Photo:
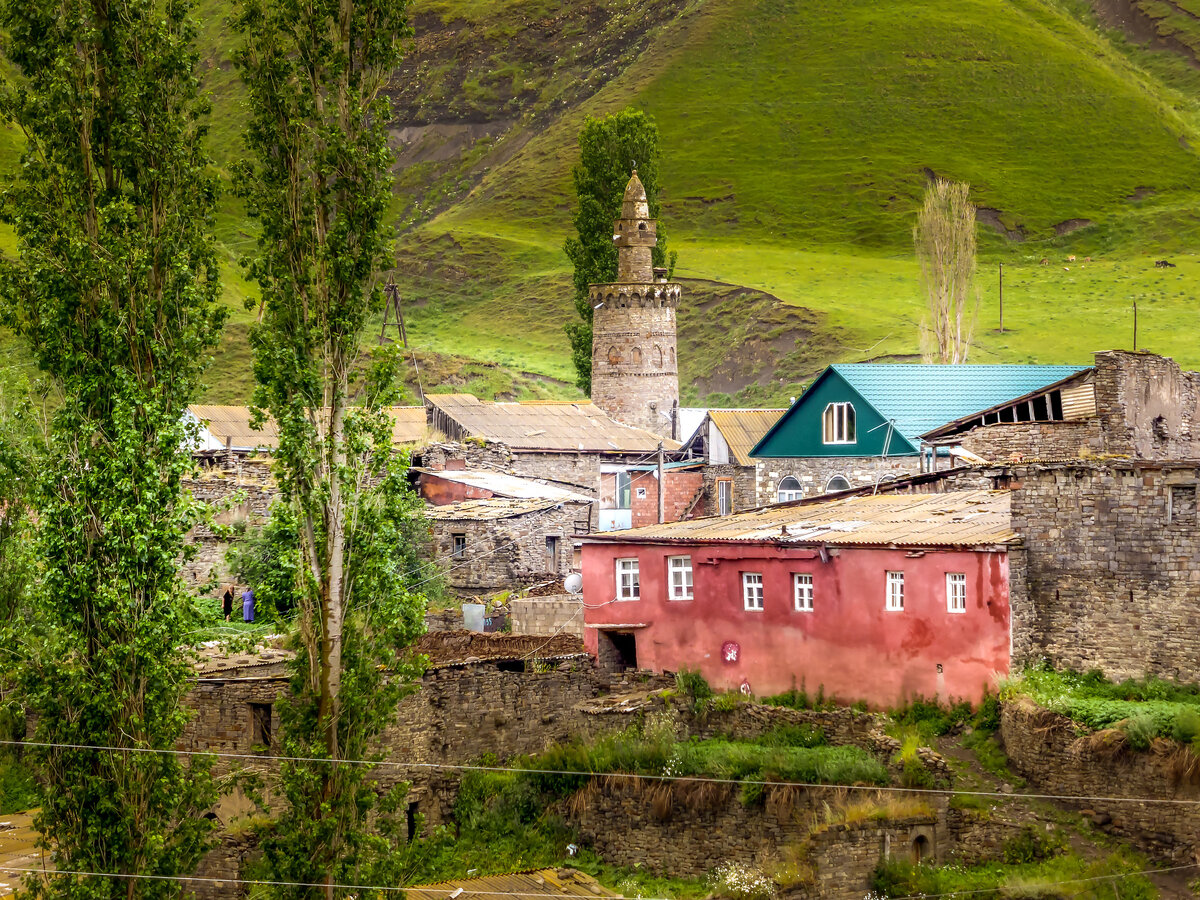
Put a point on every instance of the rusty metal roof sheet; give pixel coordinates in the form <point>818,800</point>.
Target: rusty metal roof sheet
<point>232,424</point>
<point>743,428</point>
<point>487,510</point>
<point>516,886</point>
<point>546,425</point>
<point>954,519</point>
<point>512,486</point>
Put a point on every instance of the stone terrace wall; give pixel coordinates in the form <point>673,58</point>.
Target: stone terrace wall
<point>1047,750</point>
<point>1111,582</point>
<point>558,614</point>
<point>814,472</point>
<point>1035,440</point>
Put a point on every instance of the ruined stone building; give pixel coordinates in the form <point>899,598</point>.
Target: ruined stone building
<point>635,373</point>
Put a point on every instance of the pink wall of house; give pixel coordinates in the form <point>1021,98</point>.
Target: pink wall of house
<point>850,642</point>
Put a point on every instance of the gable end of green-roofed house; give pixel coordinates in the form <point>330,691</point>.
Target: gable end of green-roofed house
<point>860,424</point>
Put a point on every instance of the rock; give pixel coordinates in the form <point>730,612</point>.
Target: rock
<point>1006,788</point>
<point>1101,819</point>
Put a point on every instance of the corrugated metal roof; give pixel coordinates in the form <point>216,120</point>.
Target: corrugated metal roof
<point>954,519</point>
<point>232,423</point>
<point>515,886</point>
<point>487,510</point>
<point>512,486</point>
<point>546,425</point>
<point>921,397</point>
<point>743,428</point>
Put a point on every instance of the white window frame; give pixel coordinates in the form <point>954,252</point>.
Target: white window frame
<point>783,495</point>
<point>679,578</point>
<point>894,596</point>
<point>628,581</point>
<point>956,592</point>
<point>724,496</point>
<point>752,591</point>
<point>838,427</point>
<point>458,545</point>
<point>832,479</point>
<point>802,590</point>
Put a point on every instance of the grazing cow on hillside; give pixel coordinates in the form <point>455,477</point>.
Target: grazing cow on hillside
<point>1164,264</point>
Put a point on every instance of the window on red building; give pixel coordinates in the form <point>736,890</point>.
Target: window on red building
<point>895,591</point>
<point>752,590</point>
<point>956,592</point>
<point>680,570</point>
<point>628,587</point>
<point>804,592</point>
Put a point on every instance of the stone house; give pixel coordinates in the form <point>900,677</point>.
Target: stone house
<point>861,424</point>
<point>724,439</point>
<point>228,429</point>
<point>876,598</point>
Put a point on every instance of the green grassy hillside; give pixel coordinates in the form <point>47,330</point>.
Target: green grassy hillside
<point>798,137</point>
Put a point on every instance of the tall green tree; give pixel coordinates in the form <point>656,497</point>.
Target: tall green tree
<point>609,149</point>
<point>319,183</point>
<point>115,290</point>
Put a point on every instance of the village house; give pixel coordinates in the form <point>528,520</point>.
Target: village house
<point>877,598</point>
<point>860,424</point>
<point>724,439</point>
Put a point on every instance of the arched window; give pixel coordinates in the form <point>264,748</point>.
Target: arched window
<point>657,356</point>
<point>789,489</point>
<point>837,483</point>
<point>920,849</point>
<point>614,356</point>
<point>838,424</point>
<point>672,356</point>
<point>635,356</point>
<point>641,226</point>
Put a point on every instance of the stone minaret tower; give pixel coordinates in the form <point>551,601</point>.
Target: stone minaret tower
<point>634,375</point>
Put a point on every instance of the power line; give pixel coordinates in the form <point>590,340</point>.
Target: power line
<point>632,776</point>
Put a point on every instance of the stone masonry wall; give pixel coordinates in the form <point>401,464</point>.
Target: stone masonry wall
<point>1047,749</point>
<point>1111,574</point>
<point>1149,408</point>
<point>1035,440</point>
<point>744,490</point>
<point>814,473</point>
<point>241,494</point>
<point>503,554</point>
<point>559,614</point>
<point>635,378</point>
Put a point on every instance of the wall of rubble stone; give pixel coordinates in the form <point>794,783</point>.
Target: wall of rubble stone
<point>558,614</point>
<point>504,554</point>
<point>1048,750</point>
<point>745,494</point>
<point>241,493</point>
<point>1149,408</point>
<point>814,473</point>
<point>1035,440</point>
<point>1111,575</point>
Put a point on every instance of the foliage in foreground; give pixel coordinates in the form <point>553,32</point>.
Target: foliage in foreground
<point>1066,875</point>
<point>1141,708</point>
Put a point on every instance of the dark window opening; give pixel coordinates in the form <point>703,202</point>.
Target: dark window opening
<point>260,725</point>
<point>1041,409</point>
<point>1008,414</point>
<point>1022,412</point>
<point>458,546</point>
<point>618,650</point>
<point>1056,410</point>
<point>920,849</point>
<point>413,811</point>
<point>1182,509</point>
<point>511,665</point>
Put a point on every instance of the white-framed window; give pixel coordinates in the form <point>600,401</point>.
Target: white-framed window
<point>628,587</point>
<point>789,489</point>
<point>803,585</point>
<point>895,591</point>
<point>458,546</point>
<point>837,483</point>
<point>956,592</point>
<point>679,570</point>
<point>838,424</point>
<point>752,590</point>
<point>725,496</point>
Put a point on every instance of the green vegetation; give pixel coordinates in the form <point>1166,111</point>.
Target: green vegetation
<point>1061,875</point>
<point>18,789</point>
<point>1141,709</point>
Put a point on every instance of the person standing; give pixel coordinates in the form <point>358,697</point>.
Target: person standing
<point>227,602</point>
<point>248,605</point>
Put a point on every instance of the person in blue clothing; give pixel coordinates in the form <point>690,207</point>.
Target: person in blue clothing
<point>248,605</point>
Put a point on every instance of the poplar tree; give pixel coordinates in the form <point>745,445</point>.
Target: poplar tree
<point>944,239</point>
<point>115,290</point>
<point>319,184</point>
<point>609,149</point>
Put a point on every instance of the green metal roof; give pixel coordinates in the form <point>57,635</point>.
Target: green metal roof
<point>918,398</point>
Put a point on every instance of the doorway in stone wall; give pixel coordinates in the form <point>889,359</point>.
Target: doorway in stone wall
<point>617,651</point>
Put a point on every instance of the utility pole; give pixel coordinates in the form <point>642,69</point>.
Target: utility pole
<point>1002,298</point>
<point>391,291</point>
<point>662,488</point>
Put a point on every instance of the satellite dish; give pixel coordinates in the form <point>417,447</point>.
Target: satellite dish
<point>573,583</point>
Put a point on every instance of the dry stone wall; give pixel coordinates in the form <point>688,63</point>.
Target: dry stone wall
<point>1149,408</point>
<point>744,489</point>
<point>1056,759</point>
<point>1035,440</point>
<point>814,473</point>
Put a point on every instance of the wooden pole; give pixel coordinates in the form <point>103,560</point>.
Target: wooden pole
<point>662,488</point>
<point>1002,298</point>
<point>1135,326</point>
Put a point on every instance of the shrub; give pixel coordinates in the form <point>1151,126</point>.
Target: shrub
<point>742,882</point>
<point>1186,726</point>
<point>987,717</point>
<point>793,736</point>
<point>1031,845</point>
<point>692,685</point>
<point>1140,731</point>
